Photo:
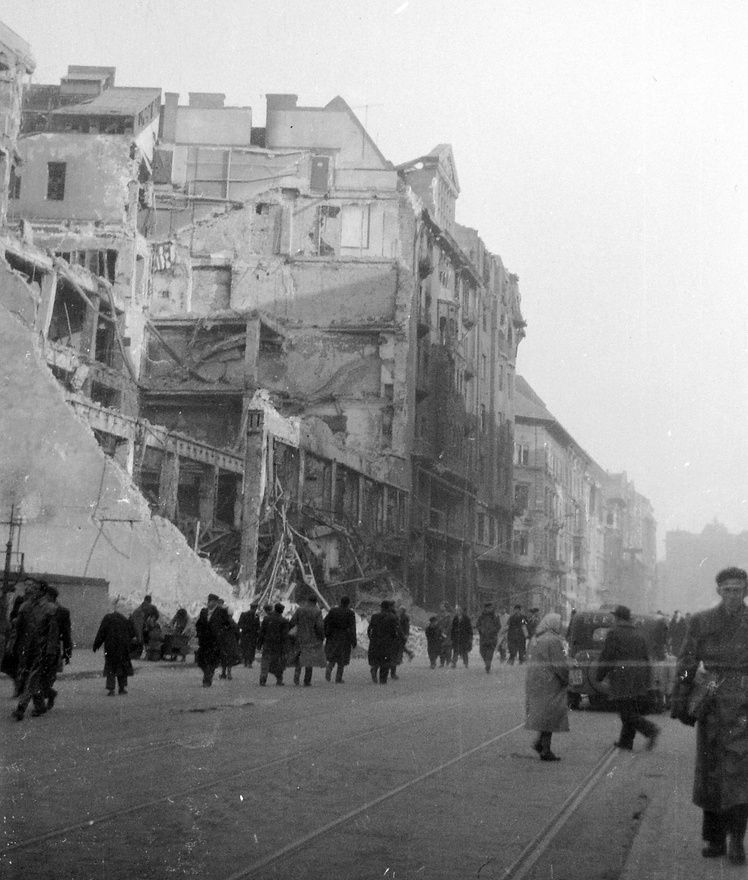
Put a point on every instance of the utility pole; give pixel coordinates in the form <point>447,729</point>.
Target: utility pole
<point>12,524</point>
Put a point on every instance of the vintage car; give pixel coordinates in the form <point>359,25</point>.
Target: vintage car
<point>586,635</point>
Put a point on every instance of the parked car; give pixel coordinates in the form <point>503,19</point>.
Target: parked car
<point>586,636</point>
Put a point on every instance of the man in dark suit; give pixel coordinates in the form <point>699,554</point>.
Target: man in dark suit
<point>625,662</point>
<point>213,621</point>
<point>340,638</point>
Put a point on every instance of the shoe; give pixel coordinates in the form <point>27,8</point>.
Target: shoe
<point>713,850</point>
<point>626,748</point>
<point>206,684</point>
<point>278,683</point>
<point>263,683</point>
<point>549,756</point>
<point>652,739</point>
<point>735,852</point>
<point>339,681</point>
<point>37,711</point>
<point>18,714</point>
<point>111,692</point>
<point>222,675</point>
<point>123,691</point>
<point>394,676</point>
<point>307,684</point>
<point>374,674</point>
<point>538,748</point>
<point>229,676</point>
<point>51,698</point>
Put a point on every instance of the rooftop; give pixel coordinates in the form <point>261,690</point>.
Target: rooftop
<point>117,101</point>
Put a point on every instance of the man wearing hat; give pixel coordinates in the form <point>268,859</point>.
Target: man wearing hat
<point>488,626</point>
<point>273,640</point>
<point>38,641</point>
<point>249,630</point>
<point>211,623</point>
<point>625,662</point>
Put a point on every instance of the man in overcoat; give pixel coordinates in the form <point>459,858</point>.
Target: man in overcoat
<point>340,638</point>
<point>116,633</point>
<point>38,641</point>
<point>211,624</point>
<point>488,626</point>
<point>517,634</point>
<point>462,637</point>
<point>718,638</point>
<point>624,660</point>
<point>249,629</point>
<point>310,637</point>
<point>384,640</point>
<point>273,642</point>
<point>64,649</point>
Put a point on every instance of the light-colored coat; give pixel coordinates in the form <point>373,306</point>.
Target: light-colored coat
<point>545,685</point>
<point>310,635</point>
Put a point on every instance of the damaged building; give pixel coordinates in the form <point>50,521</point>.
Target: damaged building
<point>273,345</point>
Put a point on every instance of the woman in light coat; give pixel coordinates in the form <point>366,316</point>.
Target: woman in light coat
<point>545,686</point>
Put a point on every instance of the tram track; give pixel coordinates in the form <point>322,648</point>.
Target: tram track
<point>219,780</point>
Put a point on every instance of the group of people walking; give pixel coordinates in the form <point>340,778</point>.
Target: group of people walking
<point>36,644</point>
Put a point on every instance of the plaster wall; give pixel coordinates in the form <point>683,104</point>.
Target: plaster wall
<point>98,171</point>
<point>81,514</point>
<point>227,126</point>
<point>326,130</point>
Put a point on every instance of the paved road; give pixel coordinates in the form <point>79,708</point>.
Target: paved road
<point>428,777</point>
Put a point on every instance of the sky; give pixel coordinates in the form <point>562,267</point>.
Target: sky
<point>602,153</point>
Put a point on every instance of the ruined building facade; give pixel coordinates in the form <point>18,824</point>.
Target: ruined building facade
<point>278,355</point>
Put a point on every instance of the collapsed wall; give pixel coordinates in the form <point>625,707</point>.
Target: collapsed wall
<point>81,513</point>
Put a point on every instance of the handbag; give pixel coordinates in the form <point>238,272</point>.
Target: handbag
<point>701,696</point>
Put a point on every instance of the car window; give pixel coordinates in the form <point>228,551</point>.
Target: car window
<point>598,635</point>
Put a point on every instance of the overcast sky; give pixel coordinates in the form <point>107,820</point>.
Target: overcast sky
<point>602,151</point>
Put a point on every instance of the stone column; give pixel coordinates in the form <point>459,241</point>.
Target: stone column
<point>253,492</point>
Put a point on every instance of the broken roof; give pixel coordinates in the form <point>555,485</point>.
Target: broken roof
<point>18,46</point>
<point>117,101</point>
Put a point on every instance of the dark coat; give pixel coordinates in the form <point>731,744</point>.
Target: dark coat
<point>37,635</point>
<point>274,642</point>
<point>249,629</point>
<point>488,626</point>
<point>625,661</point>
<point>143,618</point>
<point>720,642</point>
<point>213,633</point>
<point>116,633</point>
<point>462,633</point>
<point>340,635</point>
<point>385,637</point>
<point>434,639</point>
<point>517,631</point>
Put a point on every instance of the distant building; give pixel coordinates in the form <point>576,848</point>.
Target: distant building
<point>16,63</point>
<point>692,561</point>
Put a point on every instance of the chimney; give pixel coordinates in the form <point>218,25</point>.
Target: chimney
<point>207,100</point>
<point>168,133</point>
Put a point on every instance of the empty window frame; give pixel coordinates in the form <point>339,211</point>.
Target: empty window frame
<point>354,232</point>
<point>56,181</point>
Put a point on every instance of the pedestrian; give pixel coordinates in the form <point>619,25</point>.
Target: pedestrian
<point>488,626</point>
<point>676,633</point>
<point>340,638</point>
<point>117,634</point>
<point>398,656</point>
<point>5,624</point>
<point>310,637</point>
<point>461,635</point>
<point>405,629</point>
<point>228,641</point>
<point>249,629</point>
<point>38,640</point>
<point>434,640</point>
<point>517,635</point>
<point>503,634</point>
<point>13,645</point>
<point>445,624</point>
<point>545,686</point>
<point>63,649</point>
<point>533,619</point>
<point>211,622</point>
<point>624,660</point>
<point>718,638</point>
<point>272,640</point>
<point>144,618</point>
<point>384,639</point>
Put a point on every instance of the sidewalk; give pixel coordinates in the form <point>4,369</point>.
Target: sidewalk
<point>668,843</point>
